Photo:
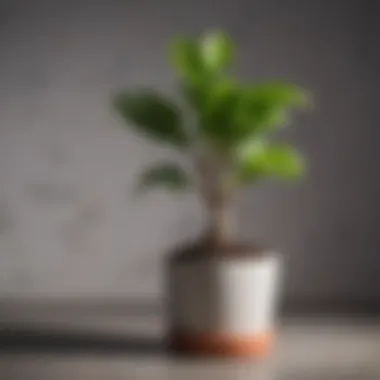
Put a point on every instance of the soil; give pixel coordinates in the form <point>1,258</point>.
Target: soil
<point>202,249</point>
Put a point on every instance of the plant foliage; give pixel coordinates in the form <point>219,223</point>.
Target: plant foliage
<point>233,121</point>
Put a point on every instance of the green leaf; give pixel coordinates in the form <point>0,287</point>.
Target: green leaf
<point>218,114</point>
<point>217,50</point>
<point>284,94</point>
<point>152,115</point>
<point>285,162</point>
<point>167,175</point>
<point>259,159</point>
<point>186,59</point>
<point>213,104</point>
<point>199,60</point>
<point>266,107</point>
<point>230,114</point>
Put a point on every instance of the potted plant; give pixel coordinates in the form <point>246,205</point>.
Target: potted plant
<point>221,292</point>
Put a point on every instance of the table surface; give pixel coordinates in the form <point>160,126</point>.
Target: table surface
<point>62,343</point>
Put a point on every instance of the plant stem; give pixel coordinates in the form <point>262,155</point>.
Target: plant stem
<point>217,190</point>
<point>222,221</point>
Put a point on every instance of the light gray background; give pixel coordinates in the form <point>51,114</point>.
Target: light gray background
<point>68,224</point>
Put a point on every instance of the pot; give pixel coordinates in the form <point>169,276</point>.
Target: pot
<point>223,303</point>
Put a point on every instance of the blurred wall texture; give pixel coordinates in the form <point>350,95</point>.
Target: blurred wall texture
<point>69,226</point>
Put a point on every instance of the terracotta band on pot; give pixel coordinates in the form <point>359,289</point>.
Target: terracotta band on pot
<point>259,345</point>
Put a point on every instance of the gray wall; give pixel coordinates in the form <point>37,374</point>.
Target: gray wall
<point>68,225</point>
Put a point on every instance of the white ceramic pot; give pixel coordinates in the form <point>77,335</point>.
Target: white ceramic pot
<point>224,305</point>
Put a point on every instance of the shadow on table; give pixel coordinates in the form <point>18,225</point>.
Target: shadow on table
<point>31,339</point>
